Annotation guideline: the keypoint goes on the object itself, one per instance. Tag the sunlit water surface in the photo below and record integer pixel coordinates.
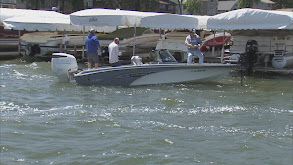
(47, 122)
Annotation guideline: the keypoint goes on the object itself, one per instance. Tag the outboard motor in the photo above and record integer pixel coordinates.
(34, 49)
(62, 65)
(249, 58)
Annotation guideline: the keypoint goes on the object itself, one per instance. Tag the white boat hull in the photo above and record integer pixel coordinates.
(65, 67)
(149, 74)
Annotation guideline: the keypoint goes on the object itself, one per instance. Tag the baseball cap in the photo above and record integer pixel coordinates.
(192, 31)
(92, 30)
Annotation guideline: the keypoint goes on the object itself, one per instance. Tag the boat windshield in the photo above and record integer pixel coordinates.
(162, 56)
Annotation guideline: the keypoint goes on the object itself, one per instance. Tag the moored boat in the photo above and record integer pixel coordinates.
(161, 69)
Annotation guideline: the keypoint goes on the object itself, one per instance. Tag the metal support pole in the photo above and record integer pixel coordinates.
(134, 34)
(83, 41)
(222, 52)
(213, 49)
(19, 43)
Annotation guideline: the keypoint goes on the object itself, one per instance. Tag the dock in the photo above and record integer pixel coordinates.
(9, 48)
(271, 70)
(9, 55)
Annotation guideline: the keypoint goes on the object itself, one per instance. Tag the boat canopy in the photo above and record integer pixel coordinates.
(244, 19)
(175, 21)
(109, 17)
(36, 23)
(38, 20)
(9, 13)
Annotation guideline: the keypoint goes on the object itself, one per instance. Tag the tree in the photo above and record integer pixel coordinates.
(150, 5)
(146, 5)
(180, 3)
(280, 4)
(77, 5)
(247, 3)
(34, 3)
(192, 7)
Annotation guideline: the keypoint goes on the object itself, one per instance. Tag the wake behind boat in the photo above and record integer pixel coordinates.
(162, 69)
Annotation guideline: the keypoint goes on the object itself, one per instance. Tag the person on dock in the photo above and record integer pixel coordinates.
(193, 43)
(114, 53)
(91, 44)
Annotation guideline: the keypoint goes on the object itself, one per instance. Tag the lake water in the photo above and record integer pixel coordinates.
(47, 122)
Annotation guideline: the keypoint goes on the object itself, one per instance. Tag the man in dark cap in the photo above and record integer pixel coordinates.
(193, 43)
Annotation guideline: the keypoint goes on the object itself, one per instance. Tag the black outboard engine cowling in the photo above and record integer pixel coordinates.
(251, 47)
(249, 58)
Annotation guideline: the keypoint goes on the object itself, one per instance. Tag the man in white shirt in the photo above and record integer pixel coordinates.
(114, 53)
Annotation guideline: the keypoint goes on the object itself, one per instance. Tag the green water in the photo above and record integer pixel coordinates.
(46, 122)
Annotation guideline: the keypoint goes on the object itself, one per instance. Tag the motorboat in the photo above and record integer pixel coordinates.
(162, 68)
(46, 43)
(270, 30)
(159, 67)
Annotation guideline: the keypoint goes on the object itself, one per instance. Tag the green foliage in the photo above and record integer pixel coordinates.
(150, 5)
(124, 33)
(77, 5)
(180, 3)
(192, 7)
(134, 4)
(246, 3)
(280, 4)
(35, 4)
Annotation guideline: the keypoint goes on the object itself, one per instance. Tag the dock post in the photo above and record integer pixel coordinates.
(75, 50)
(82, 54)
(222, 52)
(83, 41)
(19, 43)
(213, 48)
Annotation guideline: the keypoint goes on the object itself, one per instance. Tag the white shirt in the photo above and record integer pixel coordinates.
(113, 52)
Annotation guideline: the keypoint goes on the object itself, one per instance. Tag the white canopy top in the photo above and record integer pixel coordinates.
(9, 13)
(108, 17)
(251, 19)
(36, 23)
(175, 21)
(38, 20)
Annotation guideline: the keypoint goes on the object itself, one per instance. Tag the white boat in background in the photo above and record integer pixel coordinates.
(275, 47)
(161, 69)
(270, 30)
(55, 32)
(46, 43)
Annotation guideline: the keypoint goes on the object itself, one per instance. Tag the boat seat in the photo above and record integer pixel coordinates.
(136, 60)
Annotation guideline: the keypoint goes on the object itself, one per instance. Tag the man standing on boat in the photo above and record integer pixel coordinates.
(91, 44)
(114, 53)
(193, 43)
